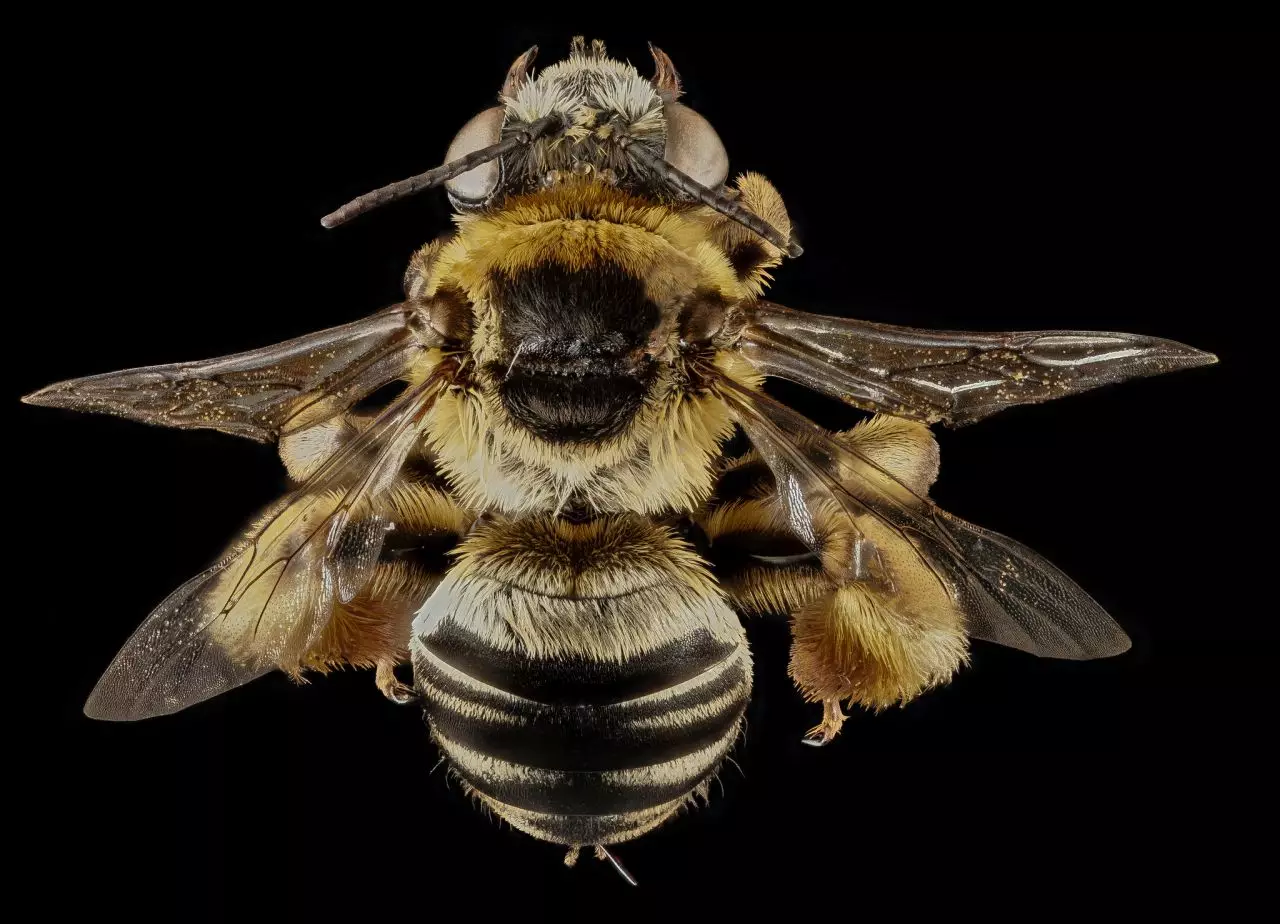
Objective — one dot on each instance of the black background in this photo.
(996, 181)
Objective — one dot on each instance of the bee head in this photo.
(600, 108)
(589, 117)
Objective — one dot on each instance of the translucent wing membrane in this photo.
(801, 487)
(262, 393)
(1007, 593)
(947, 377)
(266, 602)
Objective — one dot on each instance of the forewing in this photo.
(260, 394)
(266, 602)
(1007, 593)
(944, 376)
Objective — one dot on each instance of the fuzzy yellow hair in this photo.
(850, 640)
(663, 460)
(877, 649)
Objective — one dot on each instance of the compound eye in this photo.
(476, 186)
(693, 147)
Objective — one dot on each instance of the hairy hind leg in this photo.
(853, 641)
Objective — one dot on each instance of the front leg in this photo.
(854, 640)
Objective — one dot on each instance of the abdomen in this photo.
(585, 680)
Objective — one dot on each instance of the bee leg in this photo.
(390, 685)
(856, 639)
(871, 649)
(873, 643)
(825, 732)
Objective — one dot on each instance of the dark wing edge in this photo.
(260, 394)
(947, 377)
(1007, 593)
(265, 603)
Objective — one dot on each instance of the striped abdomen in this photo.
(583, 679)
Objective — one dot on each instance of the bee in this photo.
(547, 523)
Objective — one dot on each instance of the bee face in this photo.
(592, 101)
(595, 98)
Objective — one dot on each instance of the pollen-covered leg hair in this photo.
(861, 644)
(851, 642)
(904, 448)
(750, 254)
